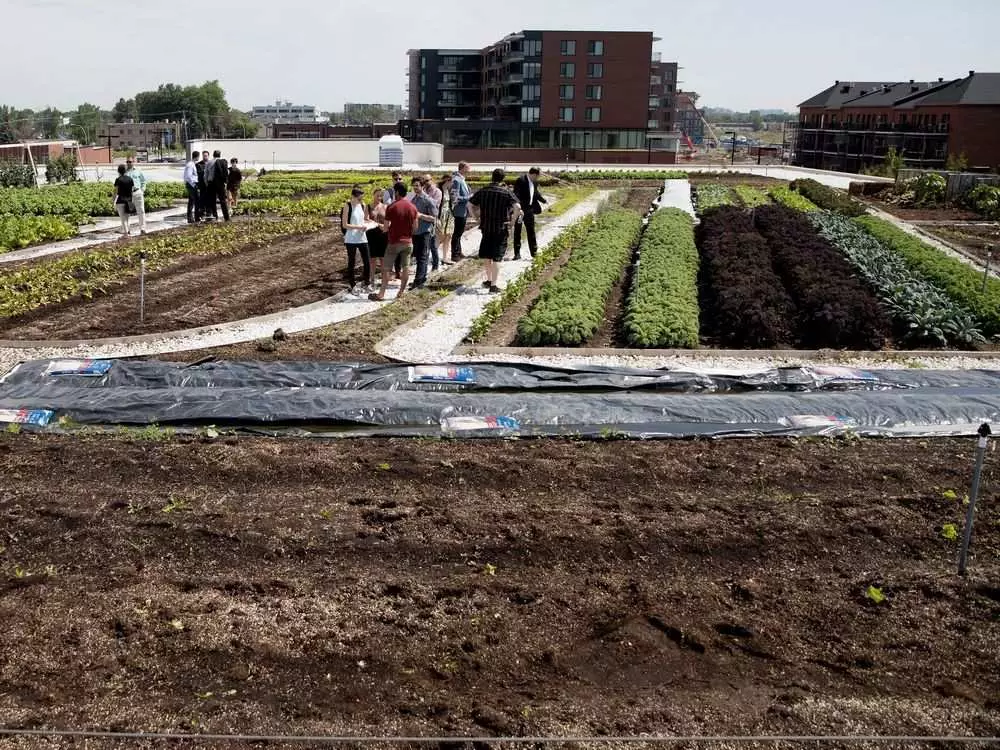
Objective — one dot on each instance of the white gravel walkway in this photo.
(104, 230)
(433, 337)
(677, 194)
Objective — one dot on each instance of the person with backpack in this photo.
(352, 222)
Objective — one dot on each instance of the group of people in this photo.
(425, 221)
(211, 183)
(129, 196)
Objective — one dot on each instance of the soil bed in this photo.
(974, 239)
(200, 290)
(923, 214)
(428, 588)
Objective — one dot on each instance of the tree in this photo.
(49, 122)
(204, 106)
(16, 124)
(124, 110)
(89, 119)
(757, 120)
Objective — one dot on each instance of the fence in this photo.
(959, 183)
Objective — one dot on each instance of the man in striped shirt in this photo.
(496, 209)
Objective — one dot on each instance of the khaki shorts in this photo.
(400, 249)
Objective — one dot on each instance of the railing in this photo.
(883, 128)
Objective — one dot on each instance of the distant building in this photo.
(147, 135)
(320, 130)
(44, 151)
(286, 112)
(851, 126)
(361, 114)
(599, 96)
(689, 119)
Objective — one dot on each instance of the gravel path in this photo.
(677, 194)
(433, 337)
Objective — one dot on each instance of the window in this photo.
(593, 114)
(567, 91)
(423, 62)
(567, 47)
(565, 114)
(652, 124)
(531, 92)
(595, 70)
(595, 47)
(567, 70)
(530, 114)
(670, 87)
(533, 48)
(595, 93)
(532, 71)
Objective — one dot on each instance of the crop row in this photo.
(570, 308)
(751, 197)
(17, 232)
(86, 274)
(745, 304)
(327, 204)
(828, 198)
(962, 282)
(711, 195)
(834, 309)
(923, 314)
(785, 196)
(662, 309)
(77, 201)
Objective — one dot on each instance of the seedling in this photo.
(875, 594)
(383, 467)
(950, 532)
(175, 504)
(490, 570)
(13, 429)
(326, 514)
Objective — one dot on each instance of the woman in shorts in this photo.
(378, 240)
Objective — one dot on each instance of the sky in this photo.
(736, 54)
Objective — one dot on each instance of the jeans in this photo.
(139, 203)
(432, 241)
(529, 230)
(421, 252)
(194, 204)
(366, 262)
(456, 238)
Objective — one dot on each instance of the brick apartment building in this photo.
(318, 130)
(851, 126)
(596, 96)
(147, 135)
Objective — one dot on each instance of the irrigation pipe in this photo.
(631, 739)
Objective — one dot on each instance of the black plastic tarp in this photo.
(476, 400)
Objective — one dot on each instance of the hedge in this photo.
(663, 306)
(570, 307)
(959, 280)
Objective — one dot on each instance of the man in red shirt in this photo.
(400, 223)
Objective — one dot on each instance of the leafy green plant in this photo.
(829, 198)
(17, 232)
(61, 169)
(950, 532)
(712, 195)
(785, 196)
(924, 315)
(89, 273)
(16, 176)
(570, 308)
(960, 281)
(875, 595)
(663, 306)
(751, 197)
(516, 289)
(984, 200)
(929, 189)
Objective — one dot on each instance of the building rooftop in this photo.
(977, 88)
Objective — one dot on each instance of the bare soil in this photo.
(492, 588)
(923, 214)
(978, 240)
(200, 290)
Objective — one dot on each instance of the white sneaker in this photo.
(358, 289)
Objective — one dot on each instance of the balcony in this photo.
(514, 56)
(513, 78)
(509, 101)
(655, 80)
(652, 124)
(654, 102)
(447, 68)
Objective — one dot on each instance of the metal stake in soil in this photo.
(986, 273)
(142, 286)
(977, 472)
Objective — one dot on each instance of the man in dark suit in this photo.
(531, 200)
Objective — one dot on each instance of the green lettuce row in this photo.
(570, 308)
(17, 232)
(959, 280)
(785, 196)
(663, 307)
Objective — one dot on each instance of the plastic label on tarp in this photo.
(40, 417)
(817, 420)
(467, 424)
(841, 374)
(86, 367)
(442, 374)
